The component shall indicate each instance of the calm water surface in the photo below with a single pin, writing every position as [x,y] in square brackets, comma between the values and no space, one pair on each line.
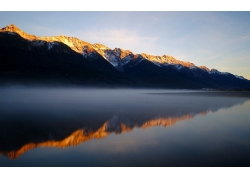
[105,127]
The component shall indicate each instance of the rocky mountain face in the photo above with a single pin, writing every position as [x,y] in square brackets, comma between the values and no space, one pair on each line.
[68,60]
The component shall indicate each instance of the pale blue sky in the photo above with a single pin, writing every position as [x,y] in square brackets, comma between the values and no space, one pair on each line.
[218,40]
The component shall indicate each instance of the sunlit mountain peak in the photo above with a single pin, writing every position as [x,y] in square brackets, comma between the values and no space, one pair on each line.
[116,57]
[167,60]
[73,42]
[205,68]
[100,46]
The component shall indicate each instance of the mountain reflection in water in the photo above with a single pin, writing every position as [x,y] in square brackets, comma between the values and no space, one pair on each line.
[61,118]
[115,125]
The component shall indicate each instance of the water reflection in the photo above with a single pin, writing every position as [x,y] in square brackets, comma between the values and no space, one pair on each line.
[116,125]
[63,118]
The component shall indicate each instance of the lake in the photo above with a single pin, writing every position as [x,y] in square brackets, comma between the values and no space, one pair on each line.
[123,127]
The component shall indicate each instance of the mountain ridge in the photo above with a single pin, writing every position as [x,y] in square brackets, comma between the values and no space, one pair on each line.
[71,60]
[124,56]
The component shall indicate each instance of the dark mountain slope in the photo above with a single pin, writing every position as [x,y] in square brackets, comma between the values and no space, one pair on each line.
[60,60]
[42,62]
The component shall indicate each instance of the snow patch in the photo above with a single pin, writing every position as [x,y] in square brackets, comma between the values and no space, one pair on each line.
[92,55]
[38,43]
[126,60]
[165,64]
[157,64]
[50,45]
[239,77]
[193,67]
[113,57]
[215,71]
[178,66]
[12,33]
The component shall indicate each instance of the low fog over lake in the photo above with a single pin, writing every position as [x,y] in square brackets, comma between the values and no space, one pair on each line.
[123,127]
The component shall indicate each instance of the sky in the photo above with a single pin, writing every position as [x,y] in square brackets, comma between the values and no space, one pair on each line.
[219,40]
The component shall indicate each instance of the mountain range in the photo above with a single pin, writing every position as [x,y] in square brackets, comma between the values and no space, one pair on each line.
[61,60]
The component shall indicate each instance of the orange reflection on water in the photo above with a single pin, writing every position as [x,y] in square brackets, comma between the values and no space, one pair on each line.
[80,136]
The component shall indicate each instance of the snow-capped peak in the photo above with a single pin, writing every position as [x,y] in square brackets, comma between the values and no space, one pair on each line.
[100,46]
[117,57]
[204,68]
[215,71]
[74,43]
[168,60]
